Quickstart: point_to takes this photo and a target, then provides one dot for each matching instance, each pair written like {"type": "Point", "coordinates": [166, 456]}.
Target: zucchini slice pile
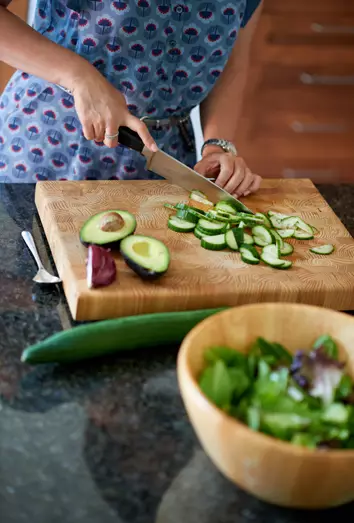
{"type": "Point", "coordinates": [220, 226]}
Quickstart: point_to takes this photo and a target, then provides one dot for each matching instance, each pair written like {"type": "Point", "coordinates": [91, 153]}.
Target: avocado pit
{"type": "Point", "coordinates": [107, 228]}
{"type": "Point", "coordinates": [111, 222]}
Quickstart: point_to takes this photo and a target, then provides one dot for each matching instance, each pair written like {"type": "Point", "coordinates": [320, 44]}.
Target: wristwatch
{"type": "Point", "coordinates": [225, 145]}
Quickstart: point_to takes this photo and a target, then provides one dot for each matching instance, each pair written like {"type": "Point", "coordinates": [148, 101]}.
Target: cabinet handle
{"type": "Point", "coordinates": [316, 79]}
{"type": "Point", "coordinates": [323, 174]}
{"type": "Point", "coordinates": [300, 127]}
{"type": "Point", "coordinates": [332, 29]}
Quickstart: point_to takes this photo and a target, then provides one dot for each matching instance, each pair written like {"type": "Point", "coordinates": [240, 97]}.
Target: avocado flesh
{"type": "Point", "coordinates": [146, 256]}
{"type": "Point", "coordinates": [91, 232]}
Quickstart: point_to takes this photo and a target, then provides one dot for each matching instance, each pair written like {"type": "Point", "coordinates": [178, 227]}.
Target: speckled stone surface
{"type": "Point", "coordinates": [105, 441]}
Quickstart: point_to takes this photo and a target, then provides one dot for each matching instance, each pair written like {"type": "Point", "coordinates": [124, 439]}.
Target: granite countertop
{"type": "Point", "coordinates": [109, 440]}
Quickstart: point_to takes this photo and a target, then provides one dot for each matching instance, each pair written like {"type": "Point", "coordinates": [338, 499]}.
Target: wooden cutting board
{"type": "Point", "coordinates": [197, 278]}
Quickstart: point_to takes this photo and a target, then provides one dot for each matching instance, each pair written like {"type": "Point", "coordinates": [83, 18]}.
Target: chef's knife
{"type": "Point", "coordinates": [176, 172]}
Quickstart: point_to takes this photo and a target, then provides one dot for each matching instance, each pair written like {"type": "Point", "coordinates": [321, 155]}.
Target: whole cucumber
{"type": "Point", "coordinates": [110, 336]}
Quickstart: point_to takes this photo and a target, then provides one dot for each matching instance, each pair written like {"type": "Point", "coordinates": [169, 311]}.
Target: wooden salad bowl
{"type": "Point", "coordinates": [272, 470]}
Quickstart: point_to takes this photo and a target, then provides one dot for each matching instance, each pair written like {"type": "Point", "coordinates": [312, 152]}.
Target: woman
{"type": "Point", "coordinates": [89, 66]}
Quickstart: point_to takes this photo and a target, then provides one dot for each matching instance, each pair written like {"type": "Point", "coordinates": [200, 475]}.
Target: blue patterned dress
{"type": "Point", "coordinates": [163, 55]}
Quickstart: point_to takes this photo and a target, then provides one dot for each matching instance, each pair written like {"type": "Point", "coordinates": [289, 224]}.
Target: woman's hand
{"type": "Point", "coordinates": [231, 172]}
{"type": "Point", "coordinates": [102, 109]}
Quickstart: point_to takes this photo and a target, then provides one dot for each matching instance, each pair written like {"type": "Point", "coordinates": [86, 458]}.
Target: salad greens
{"type": "Point", "coordinates": [306, 398]}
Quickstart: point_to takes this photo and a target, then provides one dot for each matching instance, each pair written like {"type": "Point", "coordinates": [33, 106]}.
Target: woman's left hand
{"type": "Point", "coordinates": [231, 172]}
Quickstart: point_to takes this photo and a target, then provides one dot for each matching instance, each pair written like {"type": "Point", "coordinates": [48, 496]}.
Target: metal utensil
{"type": "Point", "coordinates": [42, 276]}
{"type": "Point", "coordinates": [176, 172]}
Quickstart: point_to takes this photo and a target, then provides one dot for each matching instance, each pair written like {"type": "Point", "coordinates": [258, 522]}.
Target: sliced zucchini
{"type": "Point", "coordinates": [221, 217]}
{"type": "Point", "coordinates": [287, 249]}
{"type": "Point", "coordinates": [286, 233]}
{"type": "Point", "coordinates": [188, 216]}
{"type": "Point", "coordinates": [262, 234]}
{"type": "Point", "coordinates": [252, 221]}
{"type": "Point", "coordinates": [272, 261]}
{"type": "Point", "coordinates": [275, 222]}
{"type": "Point", "coordinates": [277, 238]}
{"type": "Point", "coordinates": [249, 254]}
{"type": "Point", "coordinates": [211, 228]}
{"type": "Point", "coordinates": [199, 234]}
{"type": "Point", "coordinates": [280, 216]}
{"type": "Point", "coordinates": [271, 250]}
{"type": "Point", "coordinates": [248, 239]}
{"type": "Point", "coordinates": [304, 226]}
{"type": "Point", "coordinates": [265, 219]}
{"type": "Point", "coordinates": [170, 206]}
{"type": "Point", "coordinates": [198, 196]}
{"type": "Point", "coordinates": [302, 235]}
{"type": "Point", "coordinates": [226, 207]}
{"type": "Point", "coordinates": [270, 257]}
{"type": "Point", "coordinates": [223, 213]}
{"type": "Point", "coordinates": [184, 207]}
{"type": "Point", "coordinates": [234, 238]}
{"type": "Point", "coordinates": [231, 240]}
{"type": "Point", "coordinates": [179, 225]}
{"type": "Point", "coordinates": [323, 249]}
{"type": "Point", "coordinates": [214, 243]}
{"type": "Point", "coordinates": [259, 242]}
{"type": "Point", "coordinates": [290, 222]}
{"type": "Point", "coordinates": [287, 264]}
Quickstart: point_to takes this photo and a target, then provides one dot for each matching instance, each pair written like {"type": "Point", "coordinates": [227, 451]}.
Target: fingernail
{"type": "Point", "coordinates": [247, 193]}
{"type": "Point", "coordinates": [236, 195]}
{"type": "Point", "coordinates": [154, 148]}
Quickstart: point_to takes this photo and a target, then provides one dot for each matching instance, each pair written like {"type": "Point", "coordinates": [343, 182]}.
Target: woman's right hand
{"type": "Point", "coordinates": [102, 109]}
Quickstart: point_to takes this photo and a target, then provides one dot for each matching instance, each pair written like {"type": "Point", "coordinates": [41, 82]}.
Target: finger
{"type": "Point", "coordinates": [139, 127]}
{"type": "Point", "coordinates": [99, 131]}
{"type": "Point", "coordinates": [245, 184]}
{"type": "Point", "coordinates": [226, 163]}
{"type": "Point", "coordinates": [237, 175]}
{"type": "Point", "coordinates": [208, 166]}
{"type": "Point", "coordinates": [236, 178]}
{"type": "Point", "coordinates": [88, 130]}
{"type": "Point", "coordinates": [111, 136]}
{"type": "Point", "coordinates": [255, 185]}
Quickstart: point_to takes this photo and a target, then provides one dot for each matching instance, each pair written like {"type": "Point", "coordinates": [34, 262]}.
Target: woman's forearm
{"type": "Point", "coordinates": [221, 111]}
{"type": "Point", "coordinates": [23, 48]}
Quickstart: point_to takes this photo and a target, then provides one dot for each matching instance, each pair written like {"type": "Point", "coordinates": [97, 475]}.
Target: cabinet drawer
{"type": "Point", "coordinates": [310, 39]}
{"type": "Point", "coordinates": [308, 6]}
{"type": "Point", "coordinates": [301, 90]}
{"type": "Point", "coordinates": [301, 146]}
{"type": "Point", "coordinates": [328, 78]}
{"type": "Point", "coordinates": [319, 170]}
{"type": "Point", "coordinates": [311, 124]}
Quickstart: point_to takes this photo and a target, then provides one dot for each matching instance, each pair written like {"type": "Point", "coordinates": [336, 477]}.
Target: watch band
{"type": "Point", "coordinates": [225, 145]}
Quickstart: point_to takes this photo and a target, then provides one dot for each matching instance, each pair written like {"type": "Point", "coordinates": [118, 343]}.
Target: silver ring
{"type": "Point", "coordinates": [111, 136]}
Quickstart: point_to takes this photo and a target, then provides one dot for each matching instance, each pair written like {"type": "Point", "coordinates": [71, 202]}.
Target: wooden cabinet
{"type": "Point", "coordinates": [19, 8]}
{"type": "Point", "coordinates": [298, 116]}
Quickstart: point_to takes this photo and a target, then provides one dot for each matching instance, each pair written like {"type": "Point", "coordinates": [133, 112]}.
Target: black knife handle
{"type": "Point", "coordinates": [130, 139]}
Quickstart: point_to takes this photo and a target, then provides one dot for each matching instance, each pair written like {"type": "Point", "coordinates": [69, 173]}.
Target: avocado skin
{"type": "Point", "coordinates": [146, 274]}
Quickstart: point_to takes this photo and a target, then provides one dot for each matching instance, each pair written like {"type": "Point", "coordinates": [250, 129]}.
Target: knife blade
{"type": "Point", "coordinates": [176, 172]}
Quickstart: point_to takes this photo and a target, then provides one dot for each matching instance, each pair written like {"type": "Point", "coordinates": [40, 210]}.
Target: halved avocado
{"type": "Point", "coordinates": [146, 256]}
{"type": "Point", "coordinates": [107, 228]}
